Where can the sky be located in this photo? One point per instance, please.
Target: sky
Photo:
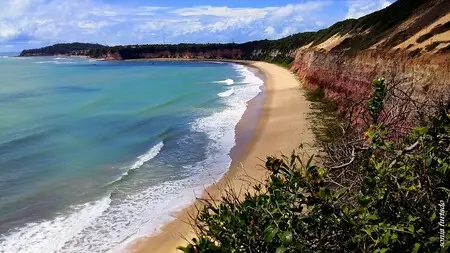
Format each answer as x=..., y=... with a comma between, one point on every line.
x=35, y=23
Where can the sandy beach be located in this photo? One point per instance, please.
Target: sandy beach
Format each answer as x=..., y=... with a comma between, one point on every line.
x=282, y=126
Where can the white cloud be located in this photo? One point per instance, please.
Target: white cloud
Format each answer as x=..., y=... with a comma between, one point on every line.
x=287, y=31
x=15, y=8
x=8, y=31
x=153, y=8
x=93, y=25
x=290, y=9
x=105, y=13
x=359, y=8
x=269, y=31
x=319, y=23
x=41, y=22
x=221, y=11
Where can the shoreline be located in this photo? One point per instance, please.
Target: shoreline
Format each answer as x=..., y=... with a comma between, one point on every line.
x=281, y=126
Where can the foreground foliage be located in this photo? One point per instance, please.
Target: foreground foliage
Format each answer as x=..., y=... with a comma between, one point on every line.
x=398, y=202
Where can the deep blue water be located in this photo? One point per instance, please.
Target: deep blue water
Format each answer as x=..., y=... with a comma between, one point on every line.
x=94, y=154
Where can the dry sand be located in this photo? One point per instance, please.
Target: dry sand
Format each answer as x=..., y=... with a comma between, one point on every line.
x=281, y=127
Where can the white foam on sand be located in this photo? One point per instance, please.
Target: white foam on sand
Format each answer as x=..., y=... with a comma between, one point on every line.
x=220, y=126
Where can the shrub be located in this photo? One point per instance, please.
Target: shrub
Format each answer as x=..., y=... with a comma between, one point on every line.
x=391, y=205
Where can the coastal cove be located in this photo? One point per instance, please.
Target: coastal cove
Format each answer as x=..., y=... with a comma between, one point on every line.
x=167, y=110
x=282, y=126
x=242, y=126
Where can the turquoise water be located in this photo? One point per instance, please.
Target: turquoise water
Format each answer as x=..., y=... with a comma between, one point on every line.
x=94, y=154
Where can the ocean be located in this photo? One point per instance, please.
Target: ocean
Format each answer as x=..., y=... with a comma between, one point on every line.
x=94, y=154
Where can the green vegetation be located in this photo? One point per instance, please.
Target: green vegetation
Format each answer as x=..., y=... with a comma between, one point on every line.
x=424, y=37
x=415, y=52
x=435, y=44
x=324, y=117
x=445, y=49
x=436, y=30
x=384, y=197
x=63, y=49
x=372, y=28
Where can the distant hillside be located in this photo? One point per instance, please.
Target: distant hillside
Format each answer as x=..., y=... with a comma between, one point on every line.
x=414, y=25
x=63, y=49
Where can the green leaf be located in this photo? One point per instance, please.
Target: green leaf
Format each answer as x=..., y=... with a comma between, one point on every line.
x=386, y=237
x=286, y=237
x=444, y=189
x=370, y=182
x=309, y=161
x=281, y=249
x=372, y=217
x=394, y=236
x=411, y=218
x=416, y=248
x=324, y=193
x=270, y=232
x=337, y=194
x=364, y=200
x=420, y=130
x=368, y=232
x=433, y=216
x=433, y=239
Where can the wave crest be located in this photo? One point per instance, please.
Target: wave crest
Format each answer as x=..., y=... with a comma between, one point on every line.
x=141, y=160
x=227, y=81
x=226, y=93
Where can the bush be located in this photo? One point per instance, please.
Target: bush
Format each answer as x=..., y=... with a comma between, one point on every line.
x=392, y=205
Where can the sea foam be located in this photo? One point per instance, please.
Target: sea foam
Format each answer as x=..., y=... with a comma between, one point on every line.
x=52, y=235
x=220, y=126
x=227, y=81
x=141, y=160
x=58, y=62
x=226, y=93
x=107, y=225
x=111, y=223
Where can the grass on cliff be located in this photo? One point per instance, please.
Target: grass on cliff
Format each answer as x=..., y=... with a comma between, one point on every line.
x=436, y=30
x=326, y=123
x=395, y=199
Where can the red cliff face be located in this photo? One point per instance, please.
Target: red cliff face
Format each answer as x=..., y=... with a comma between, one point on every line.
x=348, y=78
x=205, y=54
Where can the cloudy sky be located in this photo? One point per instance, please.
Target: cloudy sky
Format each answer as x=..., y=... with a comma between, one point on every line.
x=36, y=23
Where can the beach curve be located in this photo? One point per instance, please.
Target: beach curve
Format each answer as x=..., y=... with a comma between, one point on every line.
x=282, y=126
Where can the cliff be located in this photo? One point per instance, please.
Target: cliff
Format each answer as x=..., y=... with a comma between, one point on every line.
x=347, y=79
x=412, y=53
